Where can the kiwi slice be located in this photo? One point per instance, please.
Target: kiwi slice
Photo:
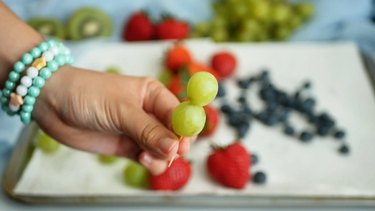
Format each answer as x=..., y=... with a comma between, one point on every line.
x=49, y=27
x=89, y=22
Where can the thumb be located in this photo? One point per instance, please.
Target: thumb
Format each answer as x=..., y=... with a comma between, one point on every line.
x=150, y=134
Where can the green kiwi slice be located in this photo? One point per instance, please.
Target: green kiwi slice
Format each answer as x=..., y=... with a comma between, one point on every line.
x=49, y=27
x=89, y=22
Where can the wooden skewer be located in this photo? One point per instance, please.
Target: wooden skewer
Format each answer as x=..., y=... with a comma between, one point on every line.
x=174, y=156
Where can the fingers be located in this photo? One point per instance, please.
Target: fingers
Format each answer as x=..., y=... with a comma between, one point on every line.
x=154, y=165
x=150, y=134
x=159, y=101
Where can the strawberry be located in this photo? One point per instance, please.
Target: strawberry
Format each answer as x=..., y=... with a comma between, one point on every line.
x=176, y=86
x=230, y=166
x=194, y=67
x=138, y=28
x=176, y=57
x=224, y=63
x=171, y=28
x=212, y=121
x=174, y=178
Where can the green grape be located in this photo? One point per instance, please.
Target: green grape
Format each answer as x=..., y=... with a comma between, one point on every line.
x=188, y=119
x=113, y=69
x=305, y=10
x=47, y=144
x=282, y=33
x=219, y=22
x=202, y=28
x=294, y=21
x=105, y=159
x=246, y=35
x=280, y=13
x=260, y=10
x=136, y=175
x=262, y=35
x=202, y=88
x=219, y=35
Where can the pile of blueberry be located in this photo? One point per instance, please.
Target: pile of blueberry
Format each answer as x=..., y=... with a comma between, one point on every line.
x=278, y=105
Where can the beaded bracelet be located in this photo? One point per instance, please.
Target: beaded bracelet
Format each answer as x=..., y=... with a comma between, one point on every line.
x=15, y=74
x=52, y=55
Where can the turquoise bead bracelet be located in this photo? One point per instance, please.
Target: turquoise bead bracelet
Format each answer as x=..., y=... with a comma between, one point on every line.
x=38, y=83
x=18, y=69
x=21, y=90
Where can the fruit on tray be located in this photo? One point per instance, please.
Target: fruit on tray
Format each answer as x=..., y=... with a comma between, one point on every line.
x=89, y=22
x=172, y=28
x=230, y=165
x=212, y=120
x=174, y=178
x=106, y=159
x=47, y=144
x=48, y=27
x=136, y=175
x=254, y=20
x=224, y=63
x=176, y=57
x=138, y=27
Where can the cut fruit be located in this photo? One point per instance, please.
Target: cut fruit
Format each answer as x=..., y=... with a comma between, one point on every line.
x=47, y=144
x=48, y=27
x=89, y=22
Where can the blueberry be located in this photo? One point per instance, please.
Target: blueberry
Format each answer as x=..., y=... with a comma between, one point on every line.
x=323, y=131
x=226, y=109
x=242, y=130
x=243, y=84
x=254, y=159
x=267, y=94
x=307, y=105
x=344, y=149
x=237, y=118
x=264, y=75
x=246, y=109
x=261, y=116
x=307, y=85
x=271, y=120
x=339, y=134
x=252, y=79
x=221, y=91
x=259, y=177
x=289, y=130
x=242, y=99
x=284, y=115
x=306, y=136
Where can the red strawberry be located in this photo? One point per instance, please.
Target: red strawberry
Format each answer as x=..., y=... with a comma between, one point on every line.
x=138, y=28
x=176, y=86
x=224, y=63
x=194, y=67
x=171, y=28
x=174, y=178
x=230, y=166
x=176, y=57
x=212, y=121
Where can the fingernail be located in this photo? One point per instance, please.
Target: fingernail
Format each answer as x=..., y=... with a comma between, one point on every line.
x=167, y=145
x=146, y=159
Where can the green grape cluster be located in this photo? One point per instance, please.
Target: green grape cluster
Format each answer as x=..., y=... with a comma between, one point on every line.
x=254, y=20
x=189, y=118
x=47, y=144
x=136, y=175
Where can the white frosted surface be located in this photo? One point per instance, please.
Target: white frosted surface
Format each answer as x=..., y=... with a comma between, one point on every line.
x=293, y=168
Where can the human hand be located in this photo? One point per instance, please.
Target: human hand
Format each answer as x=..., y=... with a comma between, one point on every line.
x=111, y=115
